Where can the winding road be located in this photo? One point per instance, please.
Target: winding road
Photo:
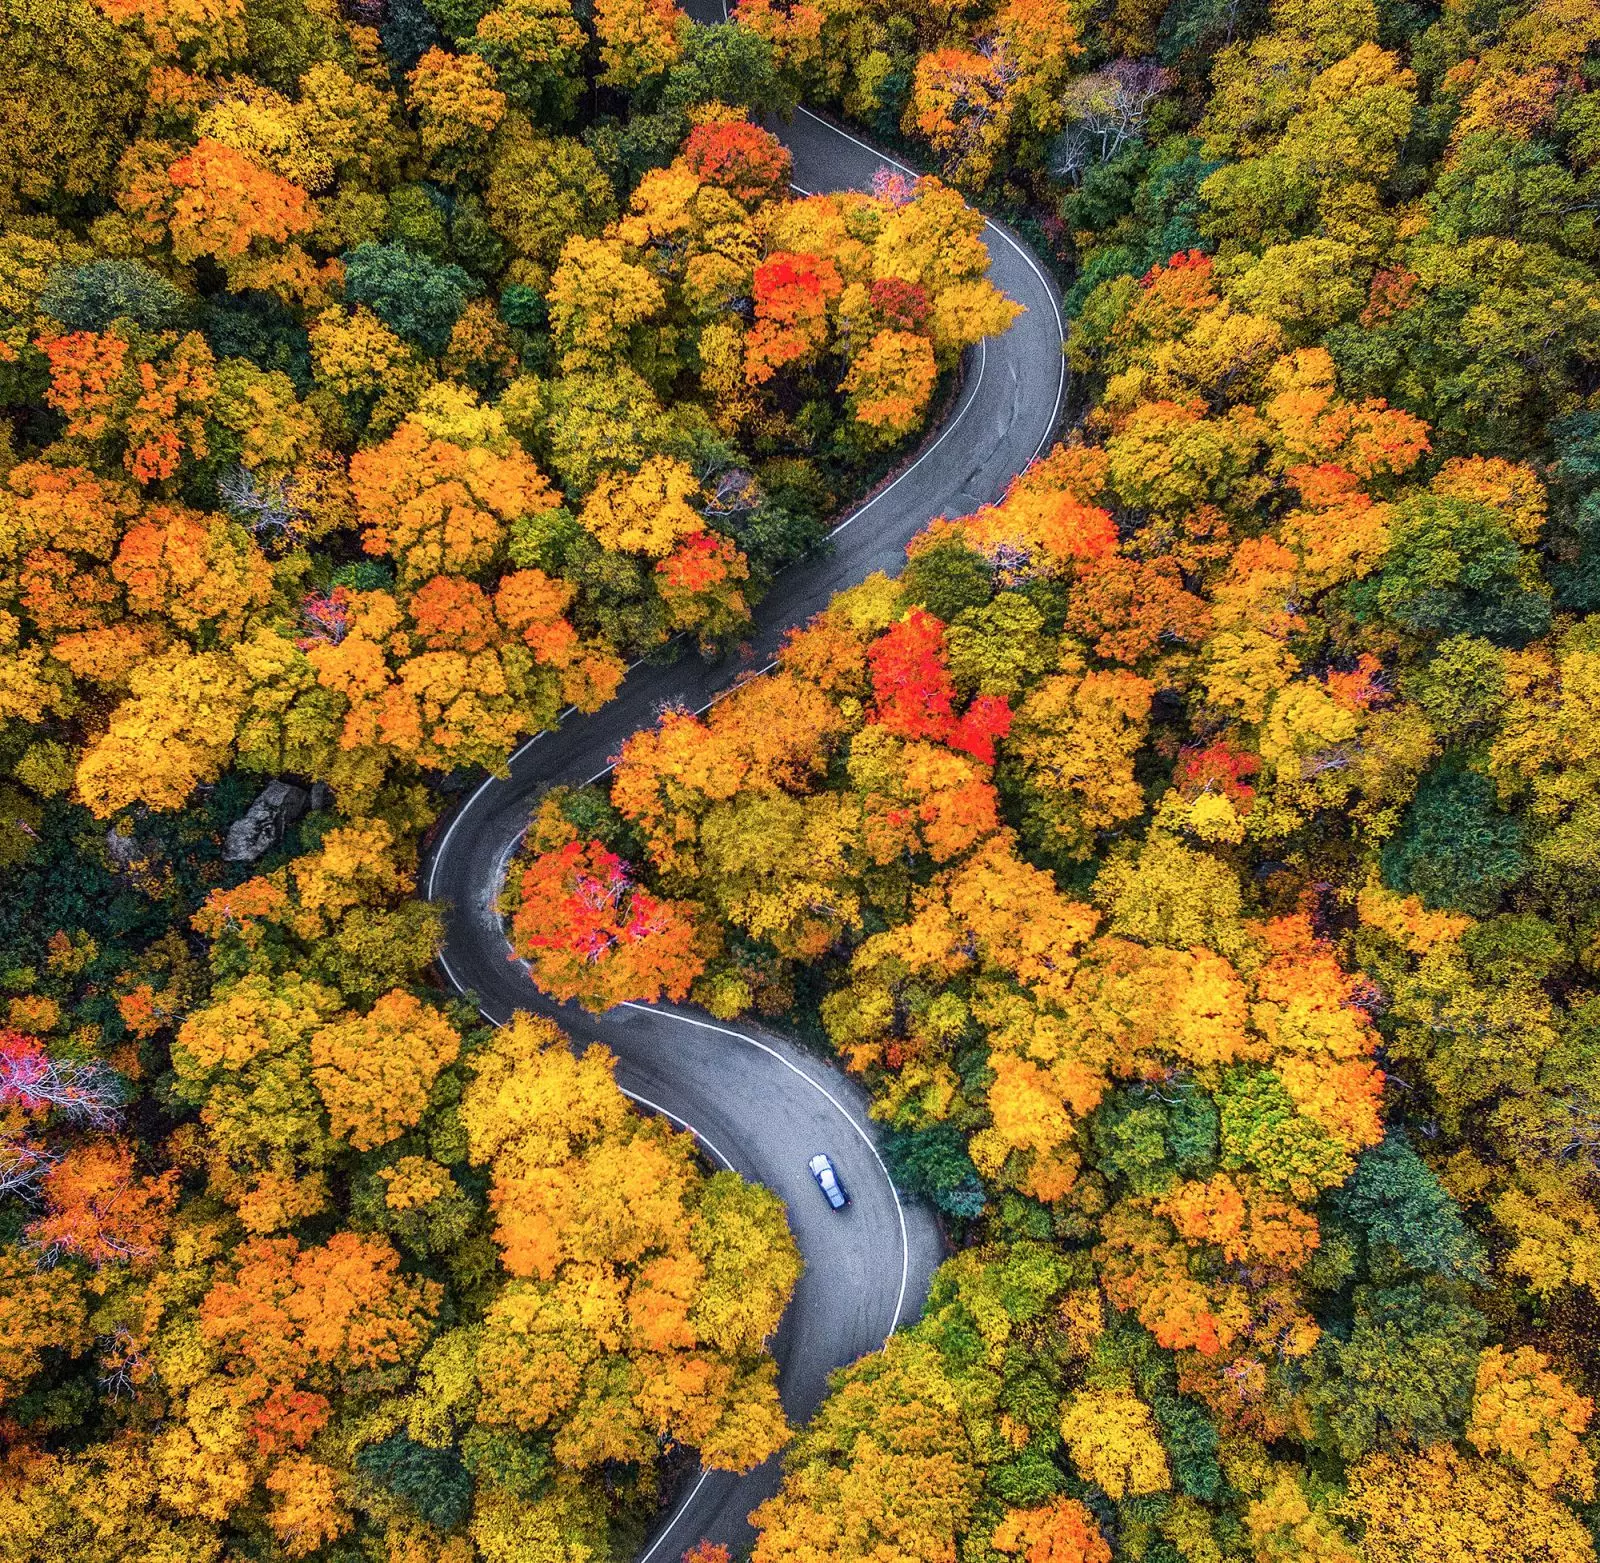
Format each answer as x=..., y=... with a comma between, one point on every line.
x=758, y=1103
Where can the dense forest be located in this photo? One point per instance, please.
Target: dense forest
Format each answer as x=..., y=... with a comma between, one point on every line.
x=376, y=385
x=1195, y=853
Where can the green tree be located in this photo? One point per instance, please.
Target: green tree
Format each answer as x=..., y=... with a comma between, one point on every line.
x=89, y=297
x=1455, y=848
x=1404, y=1376
x=1408, y=1219
x=1453, y=568
x=416, y=298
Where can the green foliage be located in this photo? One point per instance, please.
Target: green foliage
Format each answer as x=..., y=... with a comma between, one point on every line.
x=416, y=298
x=91, y=296
x=1262, y=1130
x=947, y=579
x=774, y=535
x=1024, y=1480
x=933, y=1162
x=417, y=218
x=1455, y=848
x=434, y=1482
x=997, y=647
x=1408, y=1219
x=1455, y=355
x=1516, y=947
x=458, y=18
x=258, y=327
x=1191, y=1441
x=536, y=62
x=1575, y=567
x=375, y=948
x=1150, y=1138
x=1461, y=688
x=1404, y=1375
x=725, y=63
x=517, y=1464
x=437, y=1227
x=1453, y=568
x=407, y=32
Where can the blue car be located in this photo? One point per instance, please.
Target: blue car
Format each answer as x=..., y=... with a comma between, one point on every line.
x=828, y=1181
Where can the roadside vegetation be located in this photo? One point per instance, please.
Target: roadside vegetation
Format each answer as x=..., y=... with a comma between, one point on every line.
x=376, y=383
x=1194, y=852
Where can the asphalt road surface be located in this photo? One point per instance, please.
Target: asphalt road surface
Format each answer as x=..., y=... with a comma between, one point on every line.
x=758, y=1103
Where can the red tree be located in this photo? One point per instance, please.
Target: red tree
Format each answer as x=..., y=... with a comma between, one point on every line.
x=743, y=159
x=901, y=304
x=980, y=727
x=913, y=693
x=791, y=294
x=589, y=933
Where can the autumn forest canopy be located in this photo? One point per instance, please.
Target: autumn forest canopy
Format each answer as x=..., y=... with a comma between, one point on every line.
x=1194, y=853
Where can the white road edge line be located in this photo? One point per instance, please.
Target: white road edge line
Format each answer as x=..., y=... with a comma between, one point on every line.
x=666, y=1530
x=967, y=400
x=682, y=1123
x=772, y=1052
x=838, y=1106
x=644, y=1101
x=438, y=856
x=989, y=222
x=969, y=396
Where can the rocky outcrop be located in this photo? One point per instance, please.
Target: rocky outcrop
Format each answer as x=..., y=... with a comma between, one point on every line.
x=261, y=827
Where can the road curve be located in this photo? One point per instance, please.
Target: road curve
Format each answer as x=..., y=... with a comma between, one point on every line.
x=758, y=1103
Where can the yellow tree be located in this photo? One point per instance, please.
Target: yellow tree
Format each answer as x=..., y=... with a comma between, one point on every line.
x=644, y=1292
x=458, y=105
x=597, y=299
x=639, y=39
x=41, y=1311
x=1441, y=1506
x=437, y=506
x=890, y=382
x=648, y=511
x=1111, y=1437
x=172, y=733
x=374, y=1071
x=1526, y=1416
x=961, y=104
x=1075, y=740
x=886, y=1468
x=244, y=1061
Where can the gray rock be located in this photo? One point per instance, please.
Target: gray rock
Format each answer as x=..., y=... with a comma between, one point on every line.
x=275, y=808
x=321, y=797
x=128, y=852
